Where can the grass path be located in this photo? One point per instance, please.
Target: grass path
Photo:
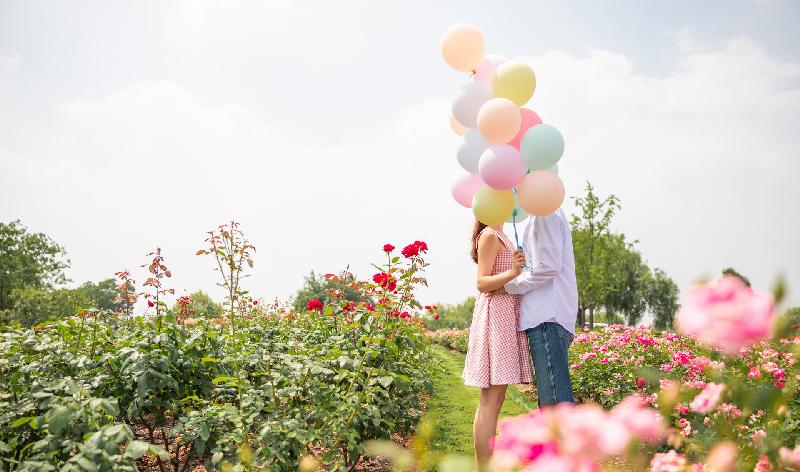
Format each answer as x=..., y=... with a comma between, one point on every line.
x=452, y=406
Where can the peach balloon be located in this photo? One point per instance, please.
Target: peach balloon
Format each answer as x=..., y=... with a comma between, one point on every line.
x=462, y=47
x=540, y=193
x=458, y=128
x=499, y=120
x=528, y=119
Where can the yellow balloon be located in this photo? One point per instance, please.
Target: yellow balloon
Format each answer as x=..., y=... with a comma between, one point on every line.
x=458, y=128
x=462, y=47
x=492, y=207
x=515, y=81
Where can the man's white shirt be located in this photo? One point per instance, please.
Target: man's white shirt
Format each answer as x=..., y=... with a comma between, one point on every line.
x=548, y=287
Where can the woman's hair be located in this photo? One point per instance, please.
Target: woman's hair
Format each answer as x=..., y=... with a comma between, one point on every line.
x=476, y=233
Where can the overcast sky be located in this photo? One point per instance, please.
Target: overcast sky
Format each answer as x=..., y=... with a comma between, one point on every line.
x=323, y=128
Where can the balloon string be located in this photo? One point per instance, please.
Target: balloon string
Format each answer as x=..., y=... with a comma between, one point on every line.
x=514, y=220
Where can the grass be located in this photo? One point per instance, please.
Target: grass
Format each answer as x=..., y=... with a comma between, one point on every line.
x=452, y=406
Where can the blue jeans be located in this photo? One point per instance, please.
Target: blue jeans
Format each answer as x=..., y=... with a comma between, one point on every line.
x=549, y=343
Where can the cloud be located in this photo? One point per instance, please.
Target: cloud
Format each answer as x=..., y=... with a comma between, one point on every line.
x=703, y=159
x=10, y=61
x=228, y=21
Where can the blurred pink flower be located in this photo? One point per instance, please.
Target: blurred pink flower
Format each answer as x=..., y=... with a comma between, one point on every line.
x=726, y=314
x=790, y=457
x=668, y=462
x=707, y=400
x=763, y=465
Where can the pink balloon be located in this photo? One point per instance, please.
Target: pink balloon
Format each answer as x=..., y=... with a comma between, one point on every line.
x=540, y=193
x=501, y=166
x=528, y=119
x=464, y=188
x=486, y=68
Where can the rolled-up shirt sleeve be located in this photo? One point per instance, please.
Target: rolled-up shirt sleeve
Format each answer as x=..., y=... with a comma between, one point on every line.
x=548, y=244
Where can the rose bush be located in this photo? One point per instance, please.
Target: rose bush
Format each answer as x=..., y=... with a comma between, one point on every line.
x=261, y=386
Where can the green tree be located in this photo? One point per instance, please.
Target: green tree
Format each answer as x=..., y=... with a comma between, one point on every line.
x=590, y=228
x=203, y=306
x=662, y=299
x=627, y=276
x=35, y=305
x=28, y=260
x=318, y=286
x=102, y=294
x=453, y=316
x=735, y=273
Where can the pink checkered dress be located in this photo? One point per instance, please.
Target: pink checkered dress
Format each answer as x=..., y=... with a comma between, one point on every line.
x=498, y=354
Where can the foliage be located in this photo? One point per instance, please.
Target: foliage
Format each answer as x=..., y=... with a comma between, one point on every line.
x=735, y=273
x=105, y=389
x=610, y=271
x=28, y=260
x=457, y=316
x=31, y=306
x=455, y=339
x=316, y=286
x=201, y=306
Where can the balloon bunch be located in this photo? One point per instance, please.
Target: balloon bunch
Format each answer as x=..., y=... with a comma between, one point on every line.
x=509, y=155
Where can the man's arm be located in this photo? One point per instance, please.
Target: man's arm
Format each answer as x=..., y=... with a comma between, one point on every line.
x=548, y=246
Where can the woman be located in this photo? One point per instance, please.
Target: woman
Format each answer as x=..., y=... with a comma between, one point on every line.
x=498, y=354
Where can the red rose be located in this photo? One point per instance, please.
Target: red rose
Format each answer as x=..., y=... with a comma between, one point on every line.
x=414, y=249
x=385, y=280
x=150, y=304
x=314, y=304
x=388, y=248
x=255, y=302
x=436, y=317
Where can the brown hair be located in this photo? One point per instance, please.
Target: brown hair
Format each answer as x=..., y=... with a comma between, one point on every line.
x=476, y=233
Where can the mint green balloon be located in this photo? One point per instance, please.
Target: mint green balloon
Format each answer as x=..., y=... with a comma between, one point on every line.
x=541, y=147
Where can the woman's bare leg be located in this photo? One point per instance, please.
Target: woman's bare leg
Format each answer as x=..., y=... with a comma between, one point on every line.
x=485, y=425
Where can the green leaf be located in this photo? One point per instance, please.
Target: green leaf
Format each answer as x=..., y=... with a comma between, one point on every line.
x=21, y=421
x=206, y=360
x=136, y=449
x=57, y=419
x=385, y=381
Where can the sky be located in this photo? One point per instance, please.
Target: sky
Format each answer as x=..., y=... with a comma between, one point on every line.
x=322, y=127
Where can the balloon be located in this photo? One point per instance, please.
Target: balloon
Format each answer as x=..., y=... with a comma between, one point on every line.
x=462, y=47
x=515, y=81
x=470, y=150
x=499, y=120
x=458, y=128
x=540, y=193
x=528, y=119
x=553, y=169
x=467, y=101
x=464, y=188
x=541, y=147
x=492, y=207
x=519, y=214
x=485, y=71
x=501, y=166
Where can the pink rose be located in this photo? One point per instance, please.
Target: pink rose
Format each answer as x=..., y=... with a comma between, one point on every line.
x=726, y=314
x=667, y=462
x=707, y=400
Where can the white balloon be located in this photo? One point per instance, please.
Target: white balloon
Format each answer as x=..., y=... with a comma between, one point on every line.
x=467, y=101
x=470, y=150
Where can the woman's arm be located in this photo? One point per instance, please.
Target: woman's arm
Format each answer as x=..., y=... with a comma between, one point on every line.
x=489, y=246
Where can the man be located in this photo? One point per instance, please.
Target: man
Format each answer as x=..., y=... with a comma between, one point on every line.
x=549, y=303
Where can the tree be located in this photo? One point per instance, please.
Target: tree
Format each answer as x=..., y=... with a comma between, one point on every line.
x=589, y=228
x=32, y=305
x=733, y=272
x=317, y=286
x=453, y=316
x=628, y=278
x=102, y=295
x=662, y=299
x=203, y=306
x=28, y=260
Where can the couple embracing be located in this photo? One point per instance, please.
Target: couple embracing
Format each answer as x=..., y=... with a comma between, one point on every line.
x=526, y=309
